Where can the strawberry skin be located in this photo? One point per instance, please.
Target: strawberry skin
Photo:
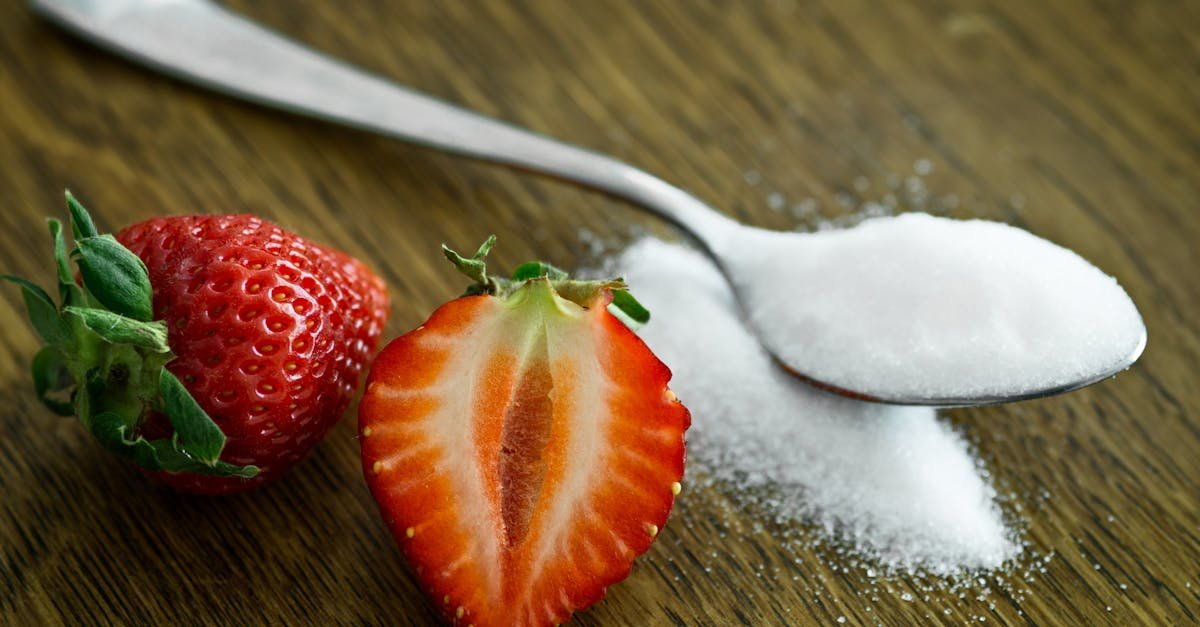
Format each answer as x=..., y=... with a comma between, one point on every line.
x=269, y=330
x=523, y=449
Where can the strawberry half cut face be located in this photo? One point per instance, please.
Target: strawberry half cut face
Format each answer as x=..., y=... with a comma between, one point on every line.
x=524, y=448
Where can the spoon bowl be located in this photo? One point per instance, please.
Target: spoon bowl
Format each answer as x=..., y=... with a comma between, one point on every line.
x=937, y=312
x=198, y=41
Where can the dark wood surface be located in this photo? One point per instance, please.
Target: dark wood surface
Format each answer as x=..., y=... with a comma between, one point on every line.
x=1074, y=119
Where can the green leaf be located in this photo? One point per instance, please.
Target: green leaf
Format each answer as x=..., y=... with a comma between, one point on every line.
x=628, y=309
x=200, y=437
x=119, y=329
x=116, y=277
x=51, y=378
x=43, y=313
x=474, y=268
x=109, y=429
x=485, y=247
x=81, y=222
x=529, y=270
x=537, y=269
x=163, y=454
x=68, y=291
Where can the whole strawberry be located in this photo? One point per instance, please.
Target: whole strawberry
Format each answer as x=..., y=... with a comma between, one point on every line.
x=522, y=445
x=212, y=351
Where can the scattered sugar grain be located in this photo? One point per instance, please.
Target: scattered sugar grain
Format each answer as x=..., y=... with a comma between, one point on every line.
x=895, y=483
x=775, y=201
x=804, y=209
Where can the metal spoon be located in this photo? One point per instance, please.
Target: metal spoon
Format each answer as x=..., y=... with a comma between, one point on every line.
x=198, y=41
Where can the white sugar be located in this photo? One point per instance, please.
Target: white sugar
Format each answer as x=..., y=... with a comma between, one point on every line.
x=895, y=482
x=914, y=306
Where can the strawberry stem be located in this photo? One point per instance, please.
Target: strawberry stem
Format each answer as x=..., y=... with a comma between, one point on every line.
x=582, y=293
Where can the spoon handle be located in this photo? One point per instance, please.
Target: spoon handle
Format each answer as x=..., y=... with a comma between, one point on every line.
x=200, y=42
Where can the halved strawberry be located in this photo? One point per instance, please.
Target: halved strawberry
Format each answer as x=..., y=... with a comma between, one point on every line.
x=522, y=445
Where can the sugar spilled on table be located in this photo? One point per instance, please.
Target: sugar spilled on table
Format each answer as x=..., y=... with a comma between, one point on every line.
x=895, y=494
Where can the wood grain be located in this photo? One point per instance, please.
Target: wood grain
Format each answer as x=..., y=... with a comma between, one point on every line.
x=1074, y=119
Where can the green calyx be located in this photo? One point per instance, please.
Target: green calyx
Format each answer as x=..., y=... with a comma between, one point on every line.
x=624, y=306
x=105, y=355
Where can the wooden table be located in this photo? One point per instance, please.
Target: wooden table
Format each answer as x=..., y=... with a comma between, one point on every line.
x=1075, y=120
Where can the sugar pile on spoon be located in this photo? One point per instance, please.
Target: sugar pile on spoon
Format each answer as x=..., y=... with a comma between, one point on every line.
x=920, y=307
x=897, y=483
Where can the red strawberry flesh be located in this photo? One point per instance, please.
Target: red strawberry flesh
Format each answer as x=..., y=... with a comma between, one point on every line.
x=524, y=450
